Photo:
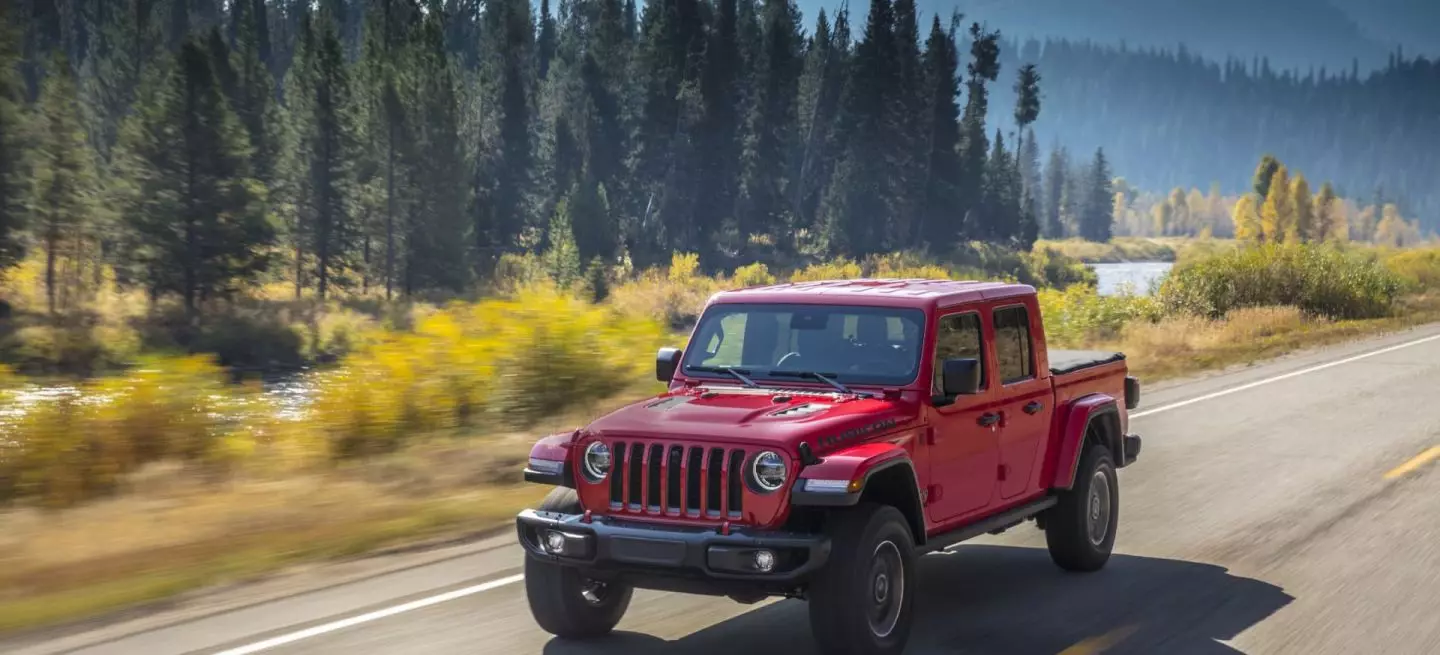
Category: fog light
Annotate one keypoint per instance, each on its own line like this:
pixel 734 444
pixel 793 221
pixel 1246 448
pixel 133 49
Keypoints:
pixel 764 561
pixel 555 543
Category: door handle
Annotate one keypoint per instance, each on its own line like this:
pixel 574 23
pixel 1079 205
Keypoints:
pixel 987 420
pixel 1034 407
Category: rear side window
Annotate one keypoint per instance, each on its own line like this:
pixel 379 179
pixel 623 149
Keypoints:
pixel 958 338
pixel 1012 344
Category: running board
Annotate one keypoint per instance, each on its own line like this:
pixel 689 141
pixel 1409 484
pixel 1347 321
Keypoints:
pixel 994 525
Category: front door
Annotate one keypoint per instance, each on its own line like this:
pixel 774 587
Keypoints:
pixel 965 451
pixel 1026 409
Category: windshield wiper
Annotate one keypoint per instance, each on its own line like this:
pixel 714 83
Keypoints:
pixel 827 378
pixel 738 373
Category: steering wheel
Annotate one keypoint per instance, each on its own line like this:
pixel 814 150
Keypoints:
pixel 787 356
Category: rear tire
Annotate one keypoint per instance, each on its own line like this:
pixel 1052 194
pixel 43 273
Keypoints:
pixel 565 603
pixel 862 602
pixel 1080 529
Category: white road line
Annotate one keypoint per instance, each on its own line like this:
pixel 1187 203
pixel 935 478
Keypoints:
pixel 370 616
pixel 1287 376
pixel 341 624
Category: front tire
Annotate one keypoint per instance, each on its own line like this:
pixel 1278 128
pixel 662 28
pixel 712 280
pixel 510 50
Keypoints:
pixel 1080 529
pixel 565 603
pixel 862 602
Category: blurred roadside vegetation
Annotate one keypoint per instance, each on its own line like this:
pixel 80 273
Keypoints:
pixel 418 415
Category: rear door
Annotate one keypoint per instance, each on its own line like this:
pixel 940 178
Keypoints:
pixel 963 453
pixel 1024 398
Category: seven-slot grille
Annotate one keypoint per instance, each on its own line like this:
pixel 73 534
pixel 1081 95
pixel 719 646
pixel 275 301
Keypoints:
pixel 658 478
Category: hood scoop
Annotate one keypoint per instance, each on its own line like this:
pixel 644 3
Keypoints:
pixel 802 410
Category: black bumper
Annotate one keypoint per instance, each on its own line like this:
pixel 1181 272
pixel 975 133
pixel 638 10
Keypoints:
pixel 1132 449
pixel 648 555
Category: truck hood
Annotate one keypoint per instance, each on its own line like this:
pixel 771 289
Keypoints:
pixel 780 418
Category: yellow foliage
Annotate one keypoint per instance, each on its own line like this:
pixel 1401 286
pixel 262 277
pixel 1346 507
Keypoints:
pixel 835 269
pixel 683 266
pixel 753 275
pixel 504 361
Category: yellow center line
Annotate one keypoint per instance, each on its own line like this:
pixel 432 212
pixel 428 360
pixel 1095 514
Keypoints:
pixel 1094 645
pixel 1415 463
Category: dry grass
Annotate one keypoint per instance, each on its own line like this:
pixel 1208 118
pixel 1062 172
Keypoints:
pixel 1183 345
pixel 175 531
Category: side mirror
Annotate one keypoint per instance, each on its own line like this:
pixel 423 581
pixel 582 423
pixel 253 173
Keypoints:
pixel 961 377
pixel 666 362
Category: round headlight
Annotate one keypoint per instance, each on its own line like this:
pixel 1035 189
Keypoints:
pixel 768 471
pixel 597 461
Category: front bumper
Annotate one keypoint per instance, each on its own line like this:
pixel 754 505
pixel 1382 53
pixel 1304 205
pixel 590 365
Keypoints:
pixel 606 547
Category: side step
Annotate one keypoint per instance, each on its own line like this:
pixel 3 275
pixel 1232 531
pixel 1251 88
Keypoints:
pixel 994 524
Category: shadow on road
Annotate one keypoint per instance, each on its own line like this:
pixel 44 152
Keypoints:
pixel 999 599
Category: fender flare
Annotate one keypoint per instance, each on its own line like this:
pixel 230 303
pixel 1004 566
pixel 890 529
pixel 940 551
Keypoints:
pixel 1084 413
pixel 551 461
pixel 859 465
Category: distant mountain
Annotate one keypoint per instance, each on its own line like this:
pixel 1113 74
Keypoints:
pixel 1298 34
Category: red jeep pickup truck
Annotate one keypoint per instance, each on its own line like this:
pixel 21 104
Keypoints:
pixel 814 440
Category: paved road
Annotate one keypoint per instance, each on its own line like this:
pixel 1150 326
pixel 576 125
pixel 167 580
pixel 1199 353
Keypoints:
pixel 1286 508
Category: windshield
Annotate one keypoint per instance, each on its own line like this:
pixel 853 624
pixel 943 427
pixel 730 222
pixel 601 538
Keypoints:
pixel 853 345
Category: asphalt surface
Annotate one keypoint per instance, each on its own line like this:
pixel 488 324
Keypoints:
pixel 1284 508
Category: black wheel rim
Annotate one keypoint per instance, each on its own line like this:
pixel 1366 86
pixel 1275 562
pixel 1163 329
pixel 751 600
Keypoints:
pixel 594 592
pixel 886 591
pixel 1097 511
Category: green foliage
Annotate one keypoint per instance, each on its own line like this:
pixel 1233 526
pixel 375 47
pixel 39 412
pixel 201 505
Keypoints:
pixel 14 186
pixel 1078 316
pixel 1097 214
pixel 197 215
pixel 1420 269
pixel 1320 280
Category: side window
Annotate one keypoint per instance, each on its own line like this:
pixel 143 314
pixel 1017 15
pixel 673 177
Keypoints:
pixel 1012 344
pixel 958 337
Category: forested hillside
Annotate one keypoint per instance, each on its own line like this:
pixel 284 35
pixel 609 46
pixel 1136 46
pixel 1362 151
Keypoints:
pixel 1172 119
pixel 196 147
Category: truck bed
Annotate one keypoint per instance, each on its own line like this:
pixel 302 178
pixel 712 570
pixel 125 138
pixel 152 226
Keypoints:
pixel 1063 362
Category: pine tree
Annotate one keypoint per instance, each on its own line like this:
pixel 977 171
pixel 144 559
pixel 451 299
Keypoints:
pixel 545 42
pixel 1264 172
pixel 562 258
pixel 1247 220
pixel 772 132
pixel 13 149
pixel 671 45
pixel 908 140
pixel 332 151
pixel 1303 228
pixel 1277 214
pixel 1001 203
pixel 1027 110
pixel 939 222
pixel 821 91
pixel 983 68
pixel 64 180
pixel 387 34
pixel 1056 170
pixel 1096 219
pixel 862 189
pixel 503 177
pixel 437 227
pixel 197 213
pixel 718 134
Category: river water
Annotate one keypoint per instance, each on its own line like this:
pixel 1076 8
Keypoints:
pixel 1138 277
